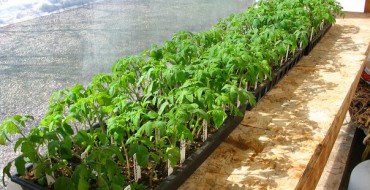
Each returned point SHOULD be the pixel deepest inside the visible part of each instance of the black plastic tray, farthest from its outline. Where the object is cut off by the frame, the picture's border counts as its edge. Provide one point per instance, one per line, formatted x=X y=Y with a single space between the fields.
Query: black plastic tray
x=25 y=185
x=315 y=40
x=189 y=166
x=180 y=175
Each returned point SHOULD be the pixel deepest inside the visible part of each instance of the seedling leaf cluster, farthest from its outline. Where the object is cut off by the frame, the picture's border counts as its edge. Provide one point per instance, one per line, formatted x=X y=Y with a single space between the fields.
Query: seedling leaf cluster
x=125 y=128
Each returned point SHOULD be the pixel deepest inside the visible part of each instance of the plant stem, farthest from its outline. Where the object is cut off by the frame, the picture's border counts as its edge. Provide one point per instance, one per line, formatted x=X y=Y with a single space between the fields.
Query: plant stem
x=151 y=176
x=127 y=160
x=91 y=126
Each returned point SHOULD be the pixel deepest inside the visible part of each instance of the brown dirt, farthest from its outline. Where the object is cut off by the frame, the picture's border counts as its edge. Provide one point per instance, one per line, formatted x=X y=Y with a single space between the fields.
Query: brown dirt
x=360 y=105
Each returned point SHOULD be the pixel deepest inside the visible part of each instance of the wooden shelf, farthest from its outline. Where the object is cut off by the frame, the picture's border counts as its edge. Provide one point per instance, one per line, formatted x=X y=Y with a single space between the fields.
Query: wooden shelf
x=285 y=141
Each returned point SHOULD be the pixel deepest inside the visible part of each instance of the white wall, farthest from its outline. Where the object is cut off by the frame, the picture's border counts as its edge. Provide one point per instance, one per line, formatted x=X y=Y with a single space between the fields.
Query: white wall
x=353 y=5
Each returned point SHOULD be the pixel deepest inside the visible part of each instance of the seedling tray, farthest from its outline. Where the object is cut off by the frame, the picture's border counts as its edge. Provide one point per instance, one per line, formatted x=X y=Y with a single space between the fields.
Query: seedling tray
x=180 y=175
x=315 y=40
x=189 y=166
x=25 y=185
x=278 y=75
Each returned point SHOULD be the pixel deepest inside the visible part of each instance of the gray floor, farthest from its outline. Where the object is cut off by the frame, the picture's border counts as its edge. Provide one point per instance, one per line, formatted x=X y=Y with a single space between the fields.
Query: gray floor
x=54 y=52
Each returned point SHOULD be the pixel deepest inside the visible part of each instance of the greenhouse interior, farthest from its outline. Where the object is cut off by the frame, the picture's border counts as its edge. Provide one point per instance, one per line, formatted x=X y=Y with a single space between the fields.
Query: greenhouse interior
x=184 y=94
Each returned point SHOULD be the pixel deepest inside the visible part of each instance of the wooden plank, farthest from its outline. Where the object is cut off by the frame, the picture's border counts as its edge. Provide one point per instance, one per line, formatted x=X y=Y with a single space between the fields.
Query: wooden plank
x=275 y=142
x=316 y=165
x=367 y=6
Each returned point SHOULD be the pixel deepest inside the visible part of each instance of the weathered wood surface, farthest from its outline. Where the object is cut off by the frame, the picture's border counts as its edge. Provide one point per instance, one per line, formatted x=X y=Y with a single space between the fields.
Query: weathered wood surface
x=332 y=174
x=284 y=142
x=315 y=167
x=367 y=6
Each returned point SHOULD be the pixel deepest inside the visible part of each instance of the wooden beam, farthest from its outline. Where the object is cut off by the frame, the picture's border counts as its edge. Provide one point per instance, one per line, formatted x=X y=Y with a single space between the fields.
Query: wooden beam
x=367 y=6
x=315 y=167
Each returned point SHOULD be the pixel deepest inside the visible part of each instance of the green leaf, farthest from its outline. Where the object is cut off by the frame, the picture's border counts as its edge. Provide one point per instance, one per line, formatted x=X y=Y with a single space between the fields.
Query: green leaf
x=63 y=183
x=200 y=92
x=118 y=153
x=83 y=138
x=113 y=89
x=133 y=146
x=233 y=93
x=163 y=106
x=116 y=186
x=117 y=181
x=156 y=54
x=20 y=164
x=218 y=117
x=41 y=168
x=243 y=96
x=136 y=118
x=185 y=133
x=6 y=172
x=112 y=169
x=2 y=139
x=68 y=129
x=11 y=128
x=182 y=115
x=28 y=150
x=152 y=115
x=190 y=98
x=83 y=184
x=102 y=138
x=52 y=145
x=42 y=180
x=148 y=127
x=107 y=109
x=161 y=126
x=173 y=154
x=65 y=149
x=142 y=155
